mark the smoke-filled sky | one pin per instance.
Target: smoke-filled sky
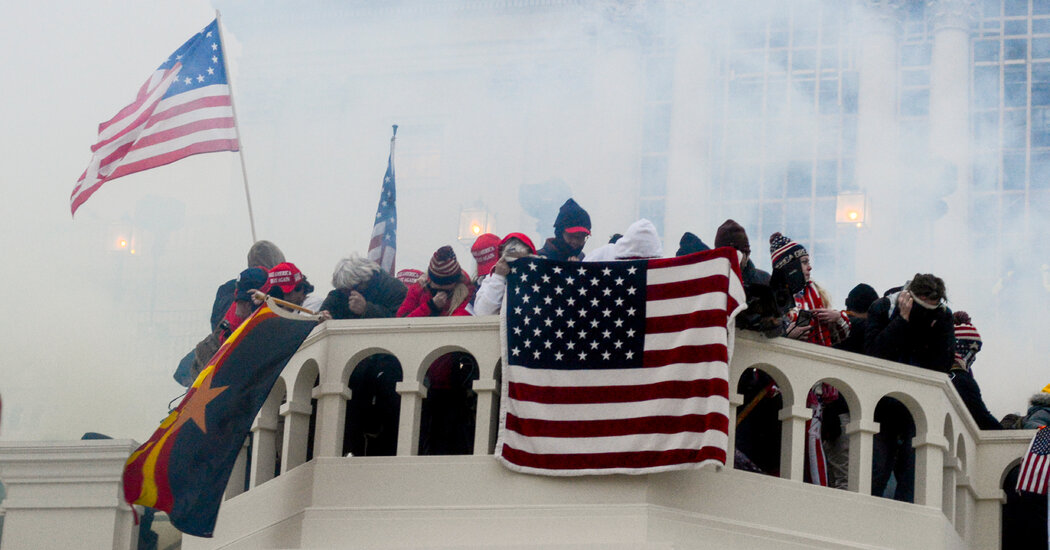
(94, 332)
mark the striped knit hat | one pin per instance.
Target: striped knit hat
(784, 250)
(967, 340)
(443, 268)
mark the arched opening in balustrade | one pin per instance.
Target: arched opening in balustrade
(949, 470)
(827, 443)
(758, 427)
(311, 432)
(893, 457)
(449, 412)
(961, 502)
(1023, 514)
(374, 409)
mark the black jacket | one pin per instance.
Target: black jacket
(383, 292)
(928, 344)
(971, 395)
(558, 249)
(855, 341)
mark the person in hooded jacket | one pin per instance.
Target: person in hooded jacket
(732, 234)
(1038, 410)
(572, 227)
(444, 291)
(262, 254)
(639, 242)
(858, 301)
(913, 326)
(604, 252)
(489, 299)
(690, 243)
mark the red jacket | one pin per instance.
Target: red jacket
(417, 303)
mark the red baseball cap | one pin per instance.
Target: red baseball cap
(486, 252)
(284, 276)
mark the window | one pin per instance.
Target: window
(1016, 48)
(915, 102)
(986, 87)
(1013, 171)
(654, 176)
(827, 178)
(799, 179)
(986, 50)
(1016, 7)
(1016, 27)
(1040, 127)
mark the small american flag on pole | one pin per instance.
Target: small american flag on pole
(1036, 464)
(382, 249)
(618, 367)
(183, 109)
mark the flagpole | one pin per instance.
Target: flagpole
(236, 127)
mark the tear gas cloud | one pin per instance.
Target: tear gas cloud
(506, 111)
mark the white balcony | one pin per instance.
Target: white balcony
(410, 501)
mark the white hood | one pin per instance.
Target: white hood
(640, 241)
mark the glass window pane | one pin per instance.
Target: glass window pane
(827, 178)
(849, 92)
(745, 98)
(773, 182)
(740, 181)
(1014, 126)
(829, 58)
(1015, 27)
(1040, 170)
(848, 182)
(986, 87)
(772, 218)
(1016, 7)
(1015, 86)
(913, 55)
(1040, 48)
(1013, 171)
(1015, 48)
(991, 8)
(799, 179)
(1040, 7)
(986, 129)
(804, 38)
(985, 174)
(803, 60)
(796, 220)
(778, 39)
(824, 219)
(915, 102)
(1040, 127)
(829, 97)
(1041, 26)
(986, 50)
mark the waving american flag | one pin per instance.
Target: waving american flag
(618, 367)
(183, 109)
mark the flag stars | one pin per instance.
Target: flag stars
(187, 80)
(571, 301)
(606, 272)
(618, 323)
(606, 312)
(527, 343)
(200, 78)
(606, 291)
(631, 290)
(537, 310)
(517, 331)
(214, 46)
(618, 281)
(570, 345)
(606, 333)
(546, 278)
(619, 301)
(558, 333)
(556, 270)
(594, 281)
(618, 344)
(570, 281)
(547, 344)
(537, 331)
(515, 351)
(536, 354)
(606, 355)
(583, 271)
(594, 344)
(582, 312)
(547, 300)
(558, 356)
(629, 355)
(594, 323)
(583, 291)
(630, 311)
(525, 320)
(583, 355)
(594, 302)
(524, 277)
(559, 311)
(536, 288)
(632, 270)
(525, 298)
(582, 335)
(558, 290)
(570, 323)
(547, 322)
(630, 333)
(532, 266)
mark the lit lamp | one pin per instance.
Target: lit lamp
(473, 222)
(122, 239)
(851, 208)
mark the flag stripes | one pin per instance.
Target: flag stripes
(580, 400)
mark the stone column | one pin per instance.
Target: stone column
(735, 400)
(929, 468)
(331, 416)
(861, 434)
(951, 469)
(793, 441)
(296, 434)
(264, 450)
(235, 485)
(412, 395)
(66, 494)
(877, 158)
(950, 125)
(487, 391)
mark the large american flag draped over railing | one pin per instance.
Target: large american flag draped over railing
(618, 367)
(183, 109)
(1035, 468)
(383, 247)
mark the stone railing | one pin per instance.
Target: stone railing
(958, 468)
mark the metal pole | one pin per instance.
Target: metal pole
(236, 127)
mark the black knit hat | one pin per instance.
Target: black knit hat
(572, 218)
(861, 298)
(690, 243)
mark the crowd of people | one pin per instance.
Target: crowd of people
(910, 324)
